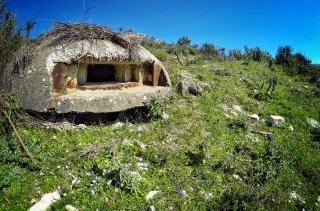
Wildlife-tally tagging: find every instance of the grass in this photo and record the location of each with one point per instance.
(194, 157)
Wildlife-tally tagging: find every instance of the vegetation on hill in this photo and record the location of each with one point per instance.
(11, 35)
(206, 154)
(194, 153)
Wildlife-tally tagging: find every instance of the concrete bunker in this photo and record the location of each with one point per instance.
(85, 68)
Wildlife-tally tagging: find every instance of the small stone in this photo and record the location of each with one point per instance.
(313, 123)
(189, 86)
(118, 124)
(255, 117)
(276, 121)
(46, 201)
(142, 166)
(165, 115)
(237, 108)
(69, 207)
(181, 192)
(151, 194)
(152, 208)
(237, 177)
(291, 129)
(82, 126)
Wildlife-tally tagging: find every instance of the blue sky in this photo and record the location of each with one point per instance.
(225, 23)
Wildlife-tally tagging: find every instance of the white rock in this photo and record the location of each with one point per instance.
(236, 176)
(165, 115)
(181, 192)
(296, 197)
(82, 126)
(291, 129)
(152, 208)
(142, 165)
(276, 120)
(237, 108)
(118, 124)
(255, 117)
(312, 122)
(151, 194)
(69, 207)
(46, 201)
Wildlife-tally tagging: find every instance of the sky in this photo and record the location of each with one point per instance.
(225, 23)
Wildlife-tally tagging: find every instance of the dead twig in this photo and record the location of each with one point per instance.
(24, 147)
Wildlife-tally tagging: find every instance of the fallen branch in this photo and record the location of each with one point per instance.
(24, 147)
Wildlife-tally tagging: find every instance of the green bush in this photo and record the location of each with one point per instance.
(256, 54)
(240, 122)
(294, 63)
(209, 51)
(235, 54)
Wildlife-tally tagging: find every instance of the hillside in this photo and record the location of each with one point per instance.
(199, 152)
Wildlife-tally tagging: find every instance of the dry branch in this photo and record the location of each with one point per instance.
(24, 147)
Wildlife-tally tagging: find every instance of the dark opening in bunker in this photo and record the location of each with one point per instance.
(101, 73)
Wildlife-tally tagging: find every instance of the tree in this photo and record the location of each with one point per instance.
(283, 54)
(11, 36)
(209, 51)
(184, 41)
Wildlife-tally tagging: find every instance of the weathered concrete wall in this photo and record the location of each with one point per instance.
(34, 85)
(120, 73)
(82, 74)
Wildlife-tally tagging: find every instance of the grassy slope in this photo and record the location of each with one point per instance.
(194, 150)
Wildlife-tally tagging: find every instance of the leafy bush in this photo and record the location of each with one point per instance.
(8, 105)
(235, 54)
(12, 37)
(256, 54)
(184, 41)
(209, 51)
(157, 106)
(240, 122)
(283, 54)
(294, 63)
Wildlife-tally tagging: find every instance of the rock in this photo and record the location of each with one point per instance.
(296, 197)
(118, 124)
(276, 121)
(165, 115)
(181, 192)
(82, 126)
(291, 129)
(151, 194)
(69, 207)
(152, 208)
(189, 86)
(237, 108)
(46, 201)
(313, 123)
(255, 117)
(142, 165)
(268, 135)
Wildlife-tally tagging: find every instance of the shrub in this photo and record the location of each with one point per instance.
(184, 41)
(294, 63)
(157, 106)
(256, 54)
(283, 54)
(12, 38)
(209, 51)
(235, 54)
(240, 122)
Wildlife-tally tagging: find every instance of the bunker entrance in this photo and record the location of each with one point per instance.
(101, 73)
